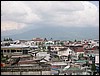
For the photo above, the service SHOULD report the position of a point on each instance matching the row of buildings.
(60, 55)
(43, 44)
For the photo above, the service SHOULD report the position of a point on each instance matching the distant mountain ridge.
(62, 33)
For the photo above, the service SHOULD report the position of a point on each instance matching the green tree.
(80, 56)
(4, 58)
(93, 67)
(61, 43)
(8, 39)
(75, 40)
(87, 63)
(4, 39)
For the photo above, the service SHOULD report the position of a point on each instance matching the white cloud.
(9, 25)
(18, 11)
(59, 13)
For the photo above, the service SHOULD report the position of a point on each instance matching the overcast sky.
(17, 15)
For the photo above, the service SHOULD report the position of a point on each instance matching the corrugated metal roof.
(58, 63)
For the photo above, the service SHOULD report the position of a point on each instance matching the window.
(8, 51)
(25, 51)
(52, 48)
(4, 50)
(18, 50)
(55, 52)
(13, 51)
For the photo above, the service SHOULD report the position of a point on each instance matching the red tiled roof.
(26, 62)
(80, 50)
(94, 48)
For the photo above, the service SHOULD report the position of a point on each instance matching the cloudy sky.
(21, 16)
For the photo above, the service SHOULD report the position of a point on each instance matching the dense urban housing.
(41, 56)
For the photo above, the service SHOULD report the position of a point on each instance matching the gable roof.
(77, 48)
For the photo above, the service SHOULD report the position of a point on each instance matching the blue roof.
(55, 69)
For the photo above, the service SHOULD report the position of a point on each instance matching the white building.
(65, 52)
(97, 58)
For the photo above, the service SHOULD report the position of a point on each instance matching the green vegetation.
(75, 40)
(8, 39)
(80, 56)
(62, 43)
(4, 58)
(93, 67)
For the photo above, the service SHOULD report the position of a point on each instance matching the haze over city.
(50, 19)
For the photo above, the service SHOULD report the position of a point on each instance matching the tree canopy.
(8, 39)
